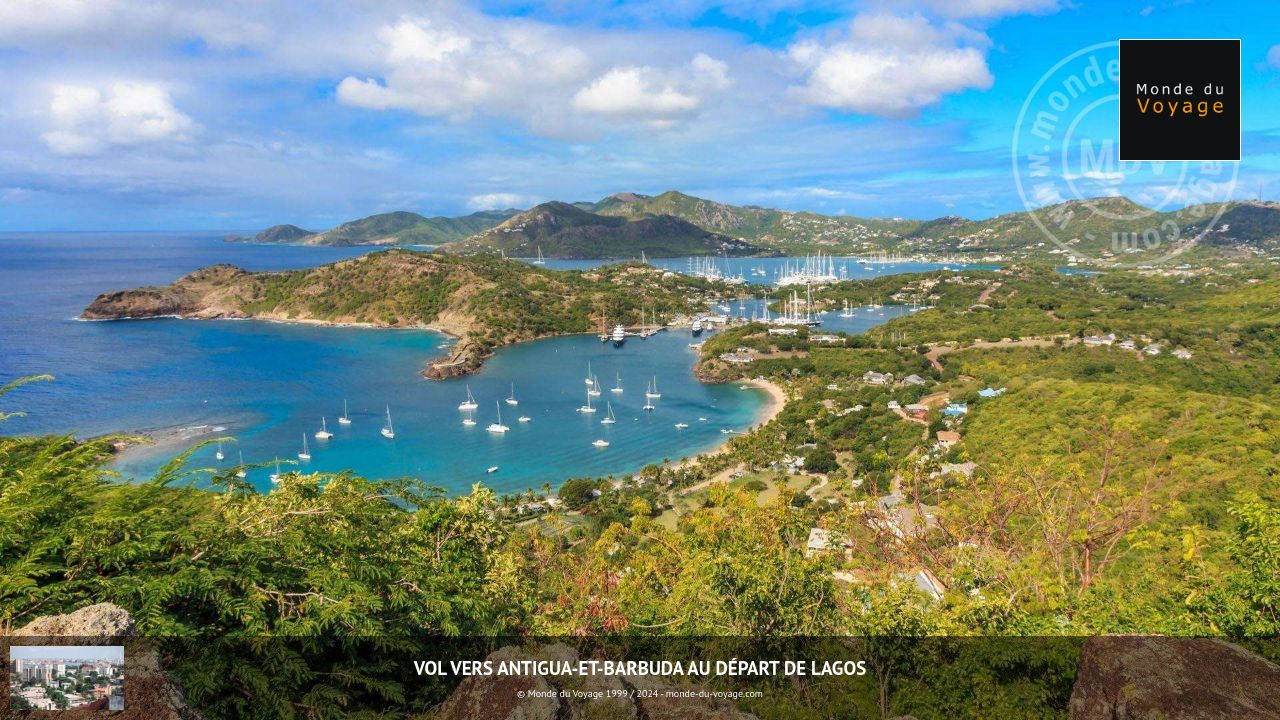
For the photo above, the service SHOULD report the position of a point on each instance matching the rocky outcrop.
(573, 698)
(191, 295)
(1148, 678)
(149, 692)
(103, 621)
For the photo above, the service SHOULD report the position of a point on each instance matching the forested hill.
(486, 302)
(561, 230)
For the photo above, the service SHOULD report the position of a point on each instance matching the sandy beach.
(777, 399)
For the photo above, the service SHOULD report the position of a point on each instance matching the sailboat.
(590, 378)
(275, 476)
(541, 260)
(587, 408)
(305, 454)
(848, 311)
(346, 416)
(469, 420)
(512, 400)
(643, 259)
(594, 390)
(681, 426)
(610, 419)
(469, 403)
(617, 387)
(388, 431)
(323, 433)
(241, 473)
(652, 393)
(498, 427)
(218, 455)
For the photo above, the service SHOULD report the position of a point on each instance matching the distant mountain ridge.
(627, 223)
(562, 230)
(393, 228)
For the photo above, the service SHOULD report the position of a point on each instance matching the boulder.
(1149, 678)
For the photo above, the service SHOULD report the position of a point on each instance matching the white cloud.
(445, 66)
(652, 95)
(86, 120)
(497, 201)
(891, 66)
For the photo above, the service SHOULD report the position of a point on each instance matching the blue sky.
(110, 653)
(181, 114)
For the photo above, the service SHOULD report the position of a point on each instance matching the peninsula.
(484, 301)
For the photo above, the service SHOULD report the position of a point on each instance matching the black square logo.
(1179, 100)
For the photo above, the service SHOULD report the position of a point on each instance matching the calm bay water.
(846, 267)
(268, 384)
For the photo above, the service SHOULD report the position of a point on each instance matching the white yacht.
(305, 454)
(619, 335)
(388, 431)
(218, 455)
(469, 403)
(345, 419)
(323, 433)
(681, 426)
(590, 378)
(523, 418)
(587, 408)
(512, 400)
(275, 476)
(469, 420)
(540, 260)
(601, 443)
(697, 327)
(498, 427)
(652, 393)
(241, 473)
(609, 419)
(617, 387)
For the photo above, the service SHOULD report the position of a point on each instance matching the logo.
(1083, 197)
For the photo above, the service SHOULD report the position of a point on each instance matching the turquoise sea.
(268, 384)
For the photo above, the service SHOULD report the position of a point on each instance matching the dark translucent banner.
(333, 676)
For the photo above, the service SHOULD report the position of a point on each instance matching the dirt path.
(937, 351)
(986, 294)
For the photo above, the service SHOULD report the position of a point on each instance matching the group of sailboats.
(469, 405)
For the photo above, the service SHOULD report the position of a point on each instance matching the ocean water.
(846, 267)
(269, 384)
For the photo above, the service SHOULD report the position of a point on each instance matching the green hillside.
(561, 230)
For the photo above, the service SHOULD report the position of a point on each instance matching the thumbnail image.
(64, 677)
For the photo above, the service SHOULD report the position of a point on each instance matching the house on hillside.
(1152, 349)
(822, 540)
(917, 410)
(955, 409)
(929, 583)
(913, 380)
(871, 377)
(947, 438)
(1099, 340)
(1182, 354)
(991, 392)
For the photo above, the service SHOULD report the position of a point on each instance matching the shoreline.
(776, 400)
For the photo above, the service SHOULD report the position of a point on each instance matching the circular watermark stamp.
(1087, 201)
